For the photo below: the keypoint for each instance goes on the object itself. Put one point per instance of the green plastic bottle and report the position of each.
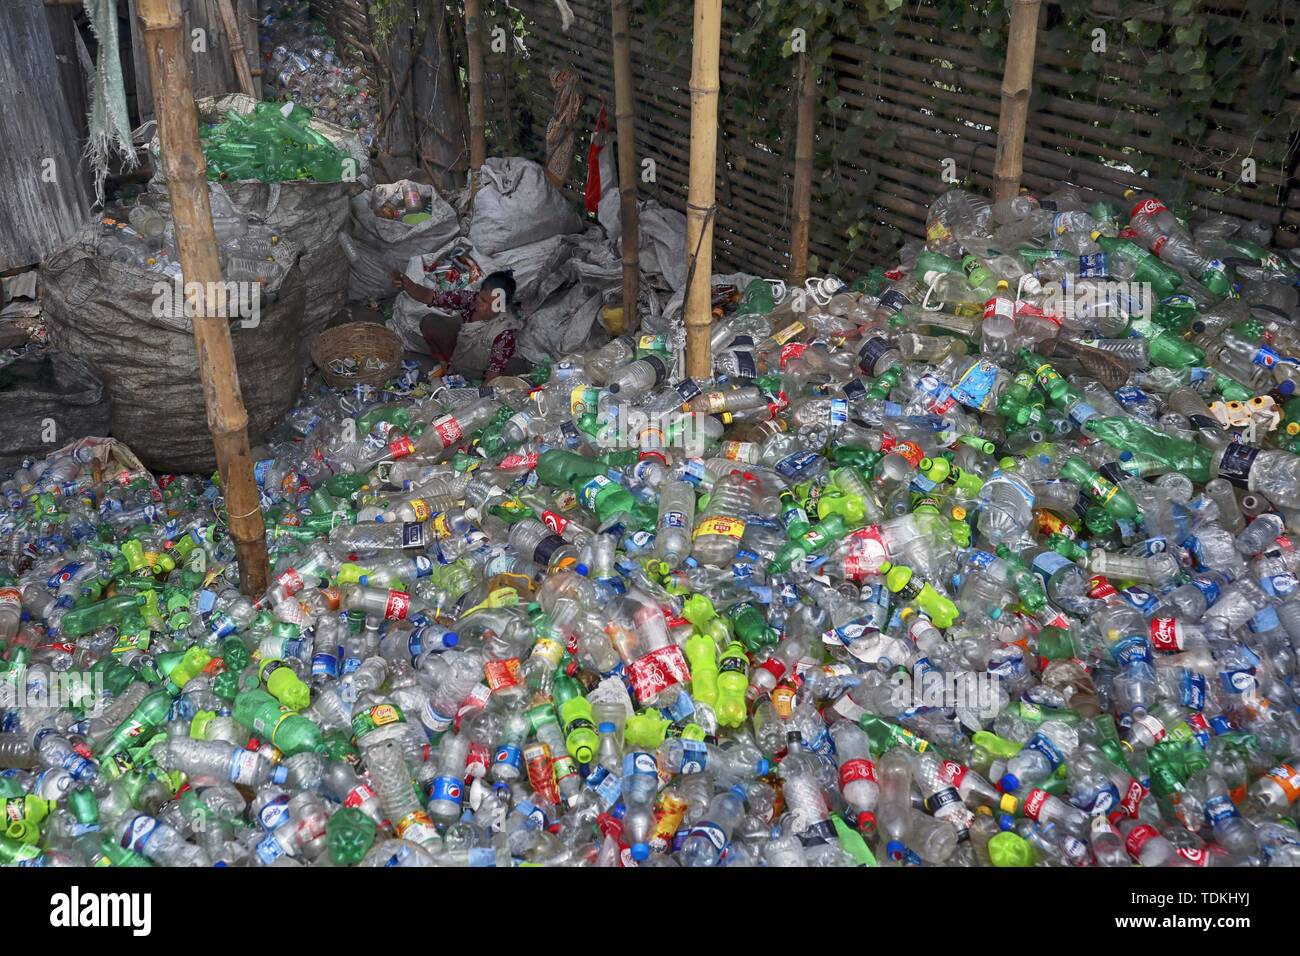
(148, 715)
(702, 656)
(1172, 454)
(1102, 491)
(733, 682)
(1164, 279)
(287, 730)
(577, 718)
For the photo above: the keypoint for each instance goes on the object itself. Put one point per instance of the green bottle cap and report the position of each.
(1010, 849)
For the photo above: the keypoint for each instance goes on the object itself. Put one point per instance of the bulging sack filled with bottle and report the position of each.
(309, 212)
(986, 558)
(115, 298)
(389, 225)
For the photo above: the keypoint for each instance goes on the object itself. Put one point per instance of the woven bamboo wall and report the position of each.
(935, 96)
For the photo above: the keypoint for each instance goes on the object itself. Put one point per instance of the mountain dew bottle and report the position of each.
(702, 656)
(290, 732)
(815, 539)
(733, 682)
(899, 579)
(577, 717)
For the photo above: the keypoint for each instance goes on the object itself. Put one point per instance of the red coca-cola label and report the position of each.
(1133, 797)
(478, 760)
(1164, 634)
(1197, 857)
(1159, 244)
(1034, 803)
(792, 350)
(516, 460)
(290, 581)
(654, 673)
(401, 447)
(399, 604)
(1148, 208)
(774, 666)
(952, 773)
(556, 522)
(859, 769)
(1138, 837)
(448, 430)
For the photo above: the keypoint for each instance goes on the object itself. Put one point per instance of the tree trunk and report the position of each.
(477, 104)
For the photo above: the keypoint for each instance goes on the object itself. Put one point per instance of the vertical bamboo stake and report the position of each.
(477, 104)
(238, 52)
(1016, 82)
(700, 198)
(625, 119)
(182, 160)
(803, 167)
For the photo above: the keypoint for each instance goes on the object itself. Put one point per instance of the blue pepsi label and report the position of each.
(446, 789)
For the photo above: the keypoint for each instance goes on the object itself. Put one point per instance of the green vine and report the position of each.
(1191, 89)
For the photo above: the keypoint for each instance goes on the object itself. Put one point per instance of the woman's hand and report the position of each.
(399, 279)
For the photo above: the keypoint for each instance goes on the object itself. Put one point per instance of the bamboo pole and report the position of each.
(238, 52)
(625, 121)
(801, 207)
(700, 209)
(1016, 82)
(182, 160)
(477, 104)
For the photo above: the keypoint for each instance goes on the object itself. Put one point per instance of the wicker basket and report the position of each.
(373, 353)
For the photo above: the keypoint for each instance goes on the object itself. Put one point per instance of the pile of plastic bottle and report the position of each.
(940, 570)
(138, 231)
(273, 143)
(302, 66)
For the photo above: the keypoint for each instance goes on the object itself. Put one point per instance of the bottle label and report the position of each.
(1138, 837)
(1236, 463)
(501, 675)
(509, 755)
(446, 789)
(793, 465)
(727, 527)
(1148, 208)
(399, 604)
(1166, 634)
(657, 671)
(893, 300)
(975, 386)
(695, 756)
(589, 492)
(857, 769)
(874, 348)
(1045, 747)
(448, 430)
(1094, 266)
(413, 536)
(672, 519)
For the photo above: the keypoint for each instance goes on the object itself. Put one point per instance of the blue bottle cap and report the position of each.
(895, 849)
(640, 851)
(582, 569)
(605, 727)
(1009, 783)
(450, 639)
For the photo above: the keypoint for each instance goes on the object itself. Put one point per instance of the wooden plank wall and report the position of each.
(212, 72)
(36, 213)
(934, 96)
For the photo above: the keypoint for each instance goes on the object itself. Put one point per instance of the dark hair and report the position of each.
(503, 280)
